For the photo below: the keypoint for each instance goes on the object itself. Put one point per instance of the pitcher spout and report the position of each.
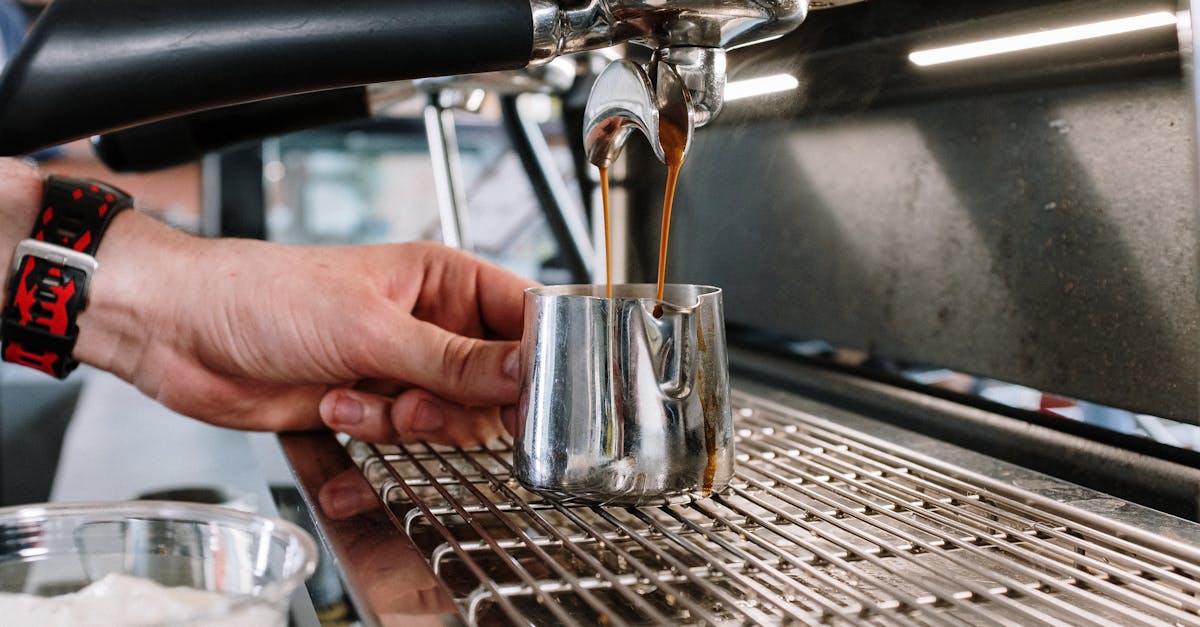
(671, 335)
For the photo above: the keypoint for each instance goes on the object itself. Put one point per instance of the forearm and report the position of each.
(254, 335)
(143, 269)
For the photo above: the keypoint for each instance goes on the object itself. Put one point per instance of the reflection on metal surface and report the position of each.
(1029, 41)
(752, 87)
(821, 524)
(386, 579)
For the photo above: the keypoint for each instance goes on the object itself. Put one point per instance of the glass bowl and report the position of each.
(250, 564)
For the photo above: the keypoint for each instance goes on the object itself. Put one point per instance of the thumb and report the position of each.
(469, 371)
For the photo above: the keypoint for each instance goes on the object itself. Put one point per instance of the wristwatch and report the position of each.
(51, 273)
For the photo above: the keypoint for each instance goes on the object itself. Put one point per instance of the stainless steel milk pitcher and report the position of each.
(624, 401)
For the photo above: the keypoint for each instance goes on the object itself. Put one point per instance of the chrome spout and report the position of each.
(684, 84)
(702, 71)
(624, 99)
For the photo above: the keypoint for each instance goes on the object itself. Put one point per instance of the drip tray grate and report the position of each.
(820, 525)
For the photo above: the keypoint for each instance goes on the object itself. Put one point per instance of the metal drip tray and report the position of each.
(821, 525)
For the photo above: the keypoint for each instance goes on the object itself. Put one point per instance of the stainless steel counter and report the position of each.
(832, 517)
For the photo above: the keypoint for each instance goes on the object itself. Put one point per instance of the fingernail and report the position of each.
(512, 364)
(348, 411)
(429, 418)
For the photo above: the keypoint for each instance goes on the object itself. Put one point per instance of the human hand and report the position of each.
(411, 341)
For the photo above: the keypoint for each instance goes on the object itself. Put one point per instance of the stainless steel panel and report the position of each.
(1031, 220)
(386, 581)
(1157, 476)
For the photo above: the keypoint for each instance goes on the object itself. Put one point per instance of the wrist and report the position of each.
(142, 266)
(20, 202)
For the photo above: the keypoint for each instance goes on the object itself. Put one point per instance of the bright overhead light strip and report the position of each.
(1041, 39)
(752, 87)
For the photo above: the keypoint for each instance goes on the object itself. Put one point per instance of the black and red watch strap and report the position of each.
(39, 327)
(50, 275)
(75, 212)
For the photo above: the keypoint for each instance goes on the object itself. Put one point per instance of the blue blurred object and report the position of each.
(13, 26)
(1111, 418)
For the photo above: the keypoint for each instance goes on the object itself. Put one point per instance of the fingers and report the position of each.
(419, 415)
(412, 416)
(437, 342)
(469, 371)
(501, 296)
(382, 387)
(360, 415)
(234, 403)
(463, 293)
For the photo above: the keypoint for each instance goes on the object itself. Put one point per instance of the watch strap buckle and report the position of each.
(55, 254)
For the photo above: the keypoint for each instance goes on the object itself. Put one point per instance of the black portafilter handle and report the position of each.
(186, 138)
(94, 66)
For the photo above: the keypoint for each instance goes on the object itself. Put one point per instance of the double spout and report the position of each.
(683, 86)
(656, 100)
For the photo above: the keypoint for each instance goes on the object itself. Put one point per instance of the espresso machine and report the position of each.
(1006, 190)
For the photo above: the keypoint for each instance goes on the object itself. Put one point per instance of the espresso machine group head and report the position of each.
(95, 66)
(684, 83)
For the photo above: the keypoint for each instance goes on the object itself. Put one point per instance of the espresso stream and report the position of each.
(673, 140)
(607, 232)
